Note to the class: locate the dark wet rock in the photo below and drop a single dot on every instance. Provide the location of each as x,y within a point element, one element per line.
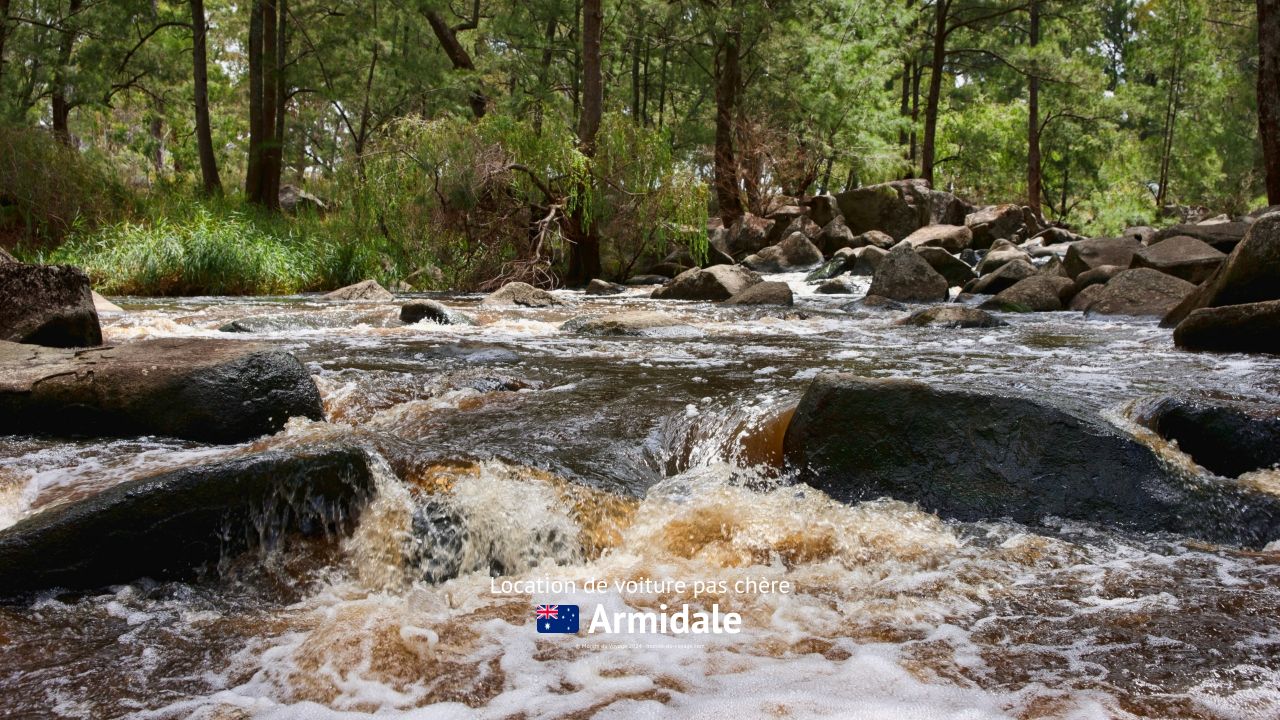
<point>1085,298</point>
<point>1008,274</point>
<point>1182,257</point>
<point>476,353</point>
<point>634,322</point>
<point>996,222</point>
<point>1039,293</point>
<point>236,326</point>
<point>1144,292</point>
<point>874,302</point>
<point>1228,438</point>
<point>904,275</point>
<point>198,389</point>
<point>835,236</point>
<point>794,253</point>
<point>952,238</point>
<point>179,524</point>
<point>604,287</point>
<point>646,280</point>
<point>836,286</point>
<point>764,293</point>
<point>416,311</point>
<point>841,261</point>
<point>953,316</point>
<point>948,266</point>
<point>899,208</point>
<point>667,269</point>
<point>1100,275</point>
<point>748,234</point>
<point>47,305</point>
<point>1250,328</point>
<point>482,380</point>
<point>518,293</point>
<point>714,283</point>
<point>978,456</point>
<point>1250,274</point>
<point>1222,236</point>
<point>1001,253</point>
<point>365,290</point>
<point>1088,254</point>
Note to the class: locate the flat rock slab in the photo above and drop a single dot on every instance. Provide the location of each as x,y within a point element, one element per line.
<point>176,524</point>
<point>980,456</point>
<point>196,389</point>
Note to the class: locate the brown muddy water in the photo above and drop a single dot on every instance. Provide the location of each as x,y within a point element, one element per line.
<point>565,457</point>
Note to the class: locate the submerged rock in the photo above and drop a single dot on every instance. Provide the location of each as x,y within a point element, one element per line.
<point>634,322</point>
<point>720,282</point>
<point>365,290</point>
<point>836,286</point>
<point>764,293</point>
<point>236,326</point>
<point>47,305</point>
<point>178,524</point>
<point>977,456</point>
<point>904,275</point>
<point>953,316</point>
<point>518,293</point>
<point>1227,438</point>
<point>604,287</point>
<point>416,311</point>
<point>1251,328</point>
<point>197,389</point>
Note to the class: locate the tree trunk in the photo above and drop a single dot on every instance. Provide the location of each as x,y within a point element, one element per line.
<point>253,164</point>
<point>584,256</point>
<point>728,79</point>
<point>459,57</point>
<point>1269,93</point>
<point>4,34</point>
<point>1034,175</point>
<point>60,107</point>
<point>935,90</point>
<point>210,181</point>
<point>264,83</point>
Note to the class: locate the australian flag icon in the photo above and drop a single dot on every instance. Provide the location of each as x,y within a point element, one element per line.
<point>556,618</point>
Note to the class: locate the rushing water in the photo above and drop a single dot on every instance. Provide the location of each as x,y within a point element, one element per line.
<point>567,457</point>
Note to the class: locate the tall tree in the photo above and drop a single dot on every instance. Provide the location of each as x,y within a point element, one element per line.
<point>728,78</point>
<point>457,54</point>
<point>1034,175</point>
<point>584,256</point>
<point>262,172</point>
<point>210,181</point>
<point>1269,94</point>
<point>60,104</point>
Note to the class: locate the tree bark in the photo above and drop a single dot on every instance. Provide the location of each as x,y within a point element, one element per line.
<point>584,256</point>
<point>262,181</point>
<point>725,170</point>
<point>1269,93</point>
<point>60,106</point>
<point>459,57</point>
<point>1034,175</point>
<point>927,152</point>
<point>210,181</point>
<point>4,33</point>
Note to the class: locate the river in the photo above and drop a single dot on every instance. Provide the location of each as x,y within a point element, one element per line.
<point>558,457</point>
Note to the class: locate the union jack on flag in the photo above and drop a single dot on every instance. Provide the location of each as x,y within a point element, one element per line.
<point>556,618</point>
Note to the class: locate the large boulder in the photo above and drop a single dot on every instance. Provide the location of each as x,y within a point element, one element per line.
<point>1222,236</point>
<point>764,293</point>
<point>518,293</point>
<point>178,524</point>
<point>365,290</point>
<point>899,208</point>
<point>1141,292</point>
<point>416,311</point>
<point>192,388</point>
<point>746,235</point>
<point>794,253</point>
<point>1100,275</point>
<point>1250,274</point>
<point>956,271</point>
<point>952,238</point>
<point>866,260</point>
<point>1251,327</point>
<point>904,275</point>
<point>1083,299</point>
<point>1038,293</point>
<point>1008,274</point>
<point>47,305</point>
<point>953,316</point>
<point>996,222</point>
<point>1228,438</point>
<point>978,456</point>
<point>801,224</point>
<point>1182,257</point>
<point>720,282</point>
<point>835,235</point>
<point>1001,253</point>
<point>823,208</point>
<point>874,238</point>
<point>1088,254</point>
